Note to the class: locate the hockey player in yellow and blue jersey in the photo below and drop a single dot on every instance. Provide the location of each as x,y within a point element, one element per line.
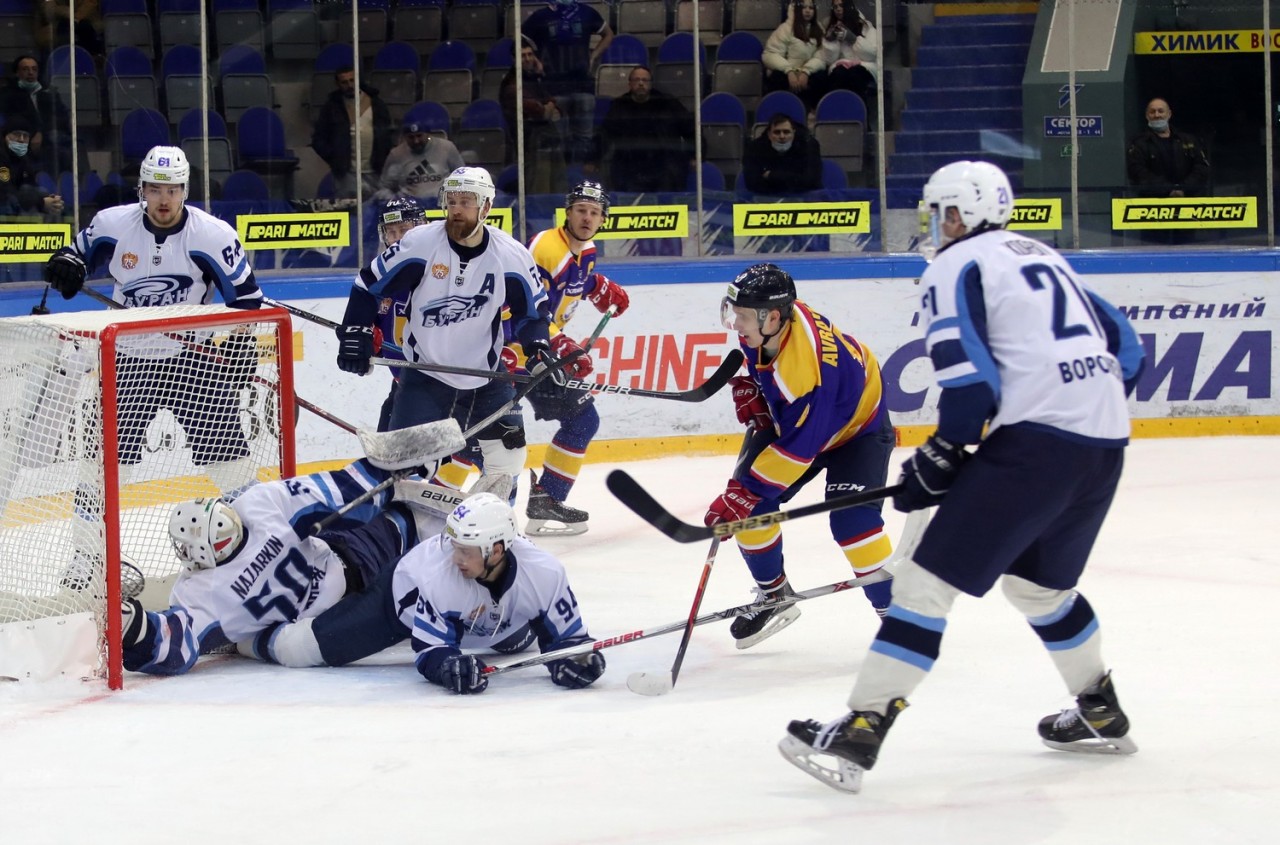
<point>813,402</point>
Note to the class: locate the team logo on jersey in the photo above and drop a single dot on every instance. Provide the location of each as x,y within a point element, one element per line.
<point>384,305</point>
<point>129,261</point>
<point>157,290</point>
<point>439,271</point>
<point>452,309</point>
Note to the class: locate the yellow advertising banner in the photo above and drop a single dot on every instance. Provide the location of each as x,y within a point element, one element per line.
<point>21,243</point>
<point>1185,213</point>
<point>293,231</point>
<point>801,218</point>
<point>1204,42</point>
<point>1036,214</point>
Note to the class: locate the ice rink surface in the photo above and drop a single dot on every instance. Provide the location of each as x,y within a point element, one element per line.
<point>1185,580</point>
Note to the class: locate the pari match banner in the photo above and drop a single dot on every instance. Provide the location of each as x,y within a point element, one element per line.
<point>294,231</point>
<point>22,243</point>
<point>1034,214</point>
<point>801,218</point>
<point>631,222</point>
<point>1185,213</point>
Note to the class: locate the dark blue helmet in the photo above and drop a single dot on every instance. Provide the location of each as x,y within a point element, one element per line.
<point>400,210</point>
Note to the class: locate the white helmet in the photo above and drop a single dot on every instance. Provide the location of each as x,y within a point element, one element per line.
<point>165,166</point>
<point>470,180</point>
<point>205,532</point>
<point>978,190</point>
<point>480,521</point>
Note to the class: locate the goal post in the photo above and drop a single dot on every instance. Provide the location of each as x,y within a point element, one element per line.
<point>108,419</point>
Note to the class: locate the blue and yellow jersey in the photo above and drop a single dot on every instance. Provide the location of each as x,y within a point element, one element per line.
<point>564,274</point>
<point>823,390</point>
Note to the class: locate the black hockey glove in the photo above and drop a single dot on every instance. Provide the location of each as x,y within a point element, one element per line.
<point>65,273</point>
<point>539,355</point>
<point>577,672</point>
<point>355,348</point>
<point>134,623</point>
<point>463,673</point>
<point>929,474</point>
<point>240,357</point>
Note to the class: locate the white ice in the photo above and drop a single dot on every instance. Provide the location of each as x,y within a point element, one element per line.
<point>1184,579</point>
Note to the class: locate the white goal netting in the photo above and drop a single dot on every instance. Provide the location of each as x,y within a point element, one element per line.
<point>107,419</point>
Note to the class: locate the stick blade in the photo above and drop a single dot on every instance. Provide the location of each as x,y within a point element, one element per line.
<point>630,493</point>
<point>410,447</point>
<point>650,683</point>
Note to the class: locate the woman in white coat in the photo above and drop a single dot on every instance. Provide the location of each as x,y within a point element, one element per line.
<point>793,58</point>
<point>849,49</point>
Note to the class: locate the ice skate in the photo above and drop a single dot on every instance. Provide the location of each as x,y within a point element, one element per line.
<point>759,625</point>
<point>854,741</point>
<point>547,517</point>
<point>1096,725</point>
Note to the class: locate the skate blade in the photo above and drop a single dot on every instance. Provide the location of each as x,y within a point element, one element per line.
<point>776,623</point>
<point>1105,745</point>
<point>846,777</point>
<point>650,683</point>
<point>551,528</point>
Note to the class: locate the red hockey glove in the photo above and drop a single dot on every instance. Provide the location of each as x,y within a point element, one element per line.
<point>603,292</point>
<point>563,345</point>
<point>736,502</point>
<point>509,359</point>
<point>377,340</point>
<point>753,411</point>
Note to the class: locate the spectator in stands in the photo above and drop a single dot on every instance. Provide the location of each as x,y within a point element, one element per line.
<point>1164,162</point>
<point>53,25</point>
<point>785,160</point>
<point>543,144</point>
<point>418,164</point>
<point>333,137</point>
<point>562,32</point>
<point>793,56</point>
<point>19,193</point>
<point>647,138</point>
<point>849,51</point>
<point>23,94</point>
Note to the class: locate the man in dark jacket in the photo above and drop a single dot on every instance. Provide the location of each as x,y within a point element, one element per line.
<point>43,110</point>
<point>333,138</point>
<point>19,193</point>
<point>647,138</point>
<point>784,160</point>
<point>543,146</point>
<point>1163,162</point>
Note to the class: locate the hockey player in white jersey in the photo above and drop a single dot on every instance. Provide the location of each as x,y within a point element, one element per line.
<point>161,252</point>
<point>1021,347</point>
<point>255,562</point>
<point>477,585</point>
<point>462,275</point>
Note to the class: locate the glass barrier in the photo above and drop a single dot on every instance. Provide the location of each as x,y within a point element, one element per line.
<point>808,127</point>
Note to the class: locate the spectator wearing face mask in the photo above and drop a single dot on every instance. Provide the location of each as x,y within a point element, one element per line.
<point>1164,162</point>
<point>19,193</point>
<point>333,136</point>
<point>23,94</point>
<point>418,164</point>
<point>784,160</point>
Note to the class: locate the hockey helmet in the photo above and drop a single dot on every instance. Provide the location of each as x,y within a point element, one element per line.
<point>399,210</point>
<point>978,190</point>
<point>205,532</point>
<point>469,180</point>
<point>764,287</point>
<point>165,166</point>
<point>480,521</point>
<point>588,191</point>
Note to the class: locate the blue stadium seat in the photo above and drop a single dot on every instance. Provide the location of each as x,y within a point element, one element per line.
<point>833,175</point>
<point>776,102</point>
<point>141,130</point>
<point>430,116</point>
<point>245,185</point>
<point>712,178</point>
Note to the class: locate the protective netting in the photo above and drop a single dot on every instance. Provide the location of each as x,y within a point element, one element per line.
<point>191,408</point>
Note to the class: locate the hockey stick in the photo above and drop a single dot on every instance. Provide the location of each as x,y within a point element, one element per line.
<point>546,372</point>
<point>729,613</point>
<point>313,408</point>
<point>631,494</point>
<point>661,683</point>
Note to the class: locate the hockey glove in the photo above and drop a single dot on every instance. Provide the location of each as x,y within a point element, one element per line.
<point>463,673</point>
<point>929,474</point>
<point>753,411</point>
<point>134,623</point>
<point>355,348</point>
<point>604,292</point>
<point>240,357</point>
<point>377,341</point>
<point>577,672</point>
<point>735,503</point>
<point>510,361</point>
<point>564,346</point>
<point>65,273</point>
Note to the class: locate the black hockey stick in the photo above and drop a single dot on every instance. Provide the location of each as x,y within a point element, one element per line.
<point>645,633</point>
<point>303,403</point>
<point>631,494</point>
<point>661,683</point>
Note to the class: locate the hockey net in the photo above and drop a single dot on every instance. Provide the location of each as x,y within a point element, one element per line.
<point>108,419</point>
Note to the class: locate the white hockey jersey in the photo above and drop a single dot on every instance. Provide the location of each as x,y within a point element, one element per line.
<point>454,314</point>
<point>182,267</point>
<point>1006,310</point>
<point>280,574</point>
<point>444,610</point>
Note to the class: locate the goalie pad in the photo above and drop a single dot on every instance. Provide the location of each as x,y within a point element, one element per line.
<point>417,445</point>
